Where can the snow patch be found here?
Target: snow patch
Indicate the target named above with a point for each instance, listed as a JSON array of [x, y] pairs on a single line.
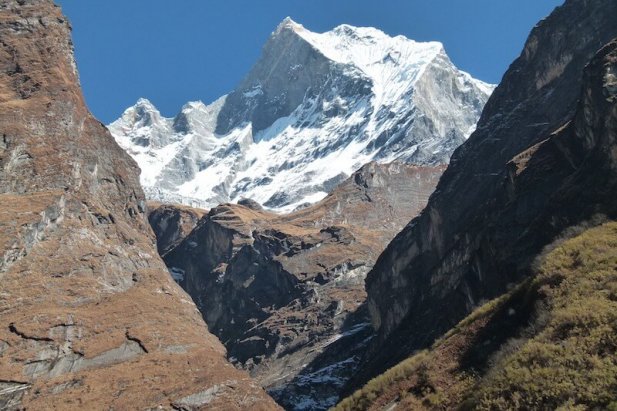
[[376, 108], [177, 274]]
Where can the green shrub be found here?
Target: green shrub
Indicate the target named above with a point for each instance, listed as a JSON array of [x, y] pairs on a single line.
[[565, 359], [572, 362]]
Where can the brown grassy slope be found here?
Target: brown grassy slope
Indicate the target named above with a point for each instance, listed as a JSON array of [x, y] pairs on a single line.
[[372, 210], [89, 316], [551, 343]]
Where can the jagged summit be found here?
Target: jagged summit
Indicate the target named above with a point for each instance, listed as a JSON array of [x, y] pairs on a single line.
[[314, 108], [144, 102], [362, 46], [341, 30], [144, 106], [143, 112], [288, 24]]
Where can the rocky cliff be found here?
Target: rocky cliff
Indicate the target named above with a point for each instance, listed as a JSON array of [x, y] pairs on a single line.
[[89, 317], [285, 293], [172, 223], [542, 159], [548, 344]]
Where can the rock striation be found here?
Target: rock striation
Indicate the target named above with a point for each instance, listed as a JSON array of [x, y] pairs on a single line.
[[89, 317], [285, 293], [542, 159]]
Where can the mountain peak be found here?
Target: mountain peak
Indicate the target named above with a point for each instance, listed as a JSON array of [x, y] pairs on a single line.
[[358, 32], [195, 117], [361, 46], [142, 114], [193, 105], [144, 103], [288, 24], [277, 137], [144, 111], [365, 47]]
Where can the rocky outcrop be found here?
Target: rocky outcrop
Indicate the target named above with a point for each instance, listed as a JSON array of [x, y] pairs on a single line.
[[542, 159], [285, 293], [89, 317], [547, 344], [172, 223]]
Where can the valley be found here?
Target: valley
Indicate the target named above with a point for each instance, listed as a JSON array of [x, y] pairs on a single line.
[[357, 225]]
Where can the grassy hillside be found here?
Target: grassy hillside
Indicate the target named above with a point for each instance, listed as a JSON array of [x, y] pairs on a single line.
[[550, 343]]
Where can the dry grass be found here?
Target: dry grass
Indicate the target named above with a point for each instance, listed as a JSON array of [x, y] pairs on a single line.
[[200, 212], [565, 358]]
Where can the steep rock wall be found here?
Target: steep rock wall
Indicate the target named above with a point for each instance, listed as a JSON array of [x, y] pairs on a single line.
[[89, 316]]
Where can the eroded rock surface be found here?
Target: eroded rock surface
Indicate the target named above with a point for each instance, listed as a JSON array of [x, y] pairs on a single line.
[[172, 223], [285, 293], [89, 317]]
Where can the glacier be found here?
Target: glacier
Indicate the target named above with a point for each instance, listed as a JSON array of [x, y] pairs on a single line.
[[313, 109]]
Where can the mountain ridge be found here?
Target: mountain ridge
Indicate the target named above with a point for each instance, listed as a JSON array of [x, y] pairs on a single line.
[[312, 110], [522, 177], [285, 293]]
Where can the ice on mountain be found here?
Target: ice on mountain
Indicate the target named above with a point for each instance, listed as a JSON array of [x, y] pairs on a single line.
[[313, 109]]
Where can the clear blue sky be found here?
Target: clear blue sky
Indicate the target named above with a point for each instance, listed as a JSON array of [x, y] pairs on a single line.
[[172, 51]]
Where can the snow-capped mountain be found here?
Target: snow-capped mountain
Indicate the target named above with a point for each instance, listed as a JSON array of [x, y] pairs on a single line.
[[313, 109]]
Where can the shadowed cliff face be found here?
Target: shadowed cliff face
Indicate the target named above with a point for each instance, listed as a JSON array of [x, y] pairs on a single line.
[[172, 224], [89, 317], [540, 160], [281, 290], [530, 348]]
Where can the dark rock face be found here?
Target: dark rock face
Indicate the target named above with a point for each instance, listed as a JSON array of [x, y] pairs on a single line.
[[172, 223], [89, 317], [281, 290], [541, 160]]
